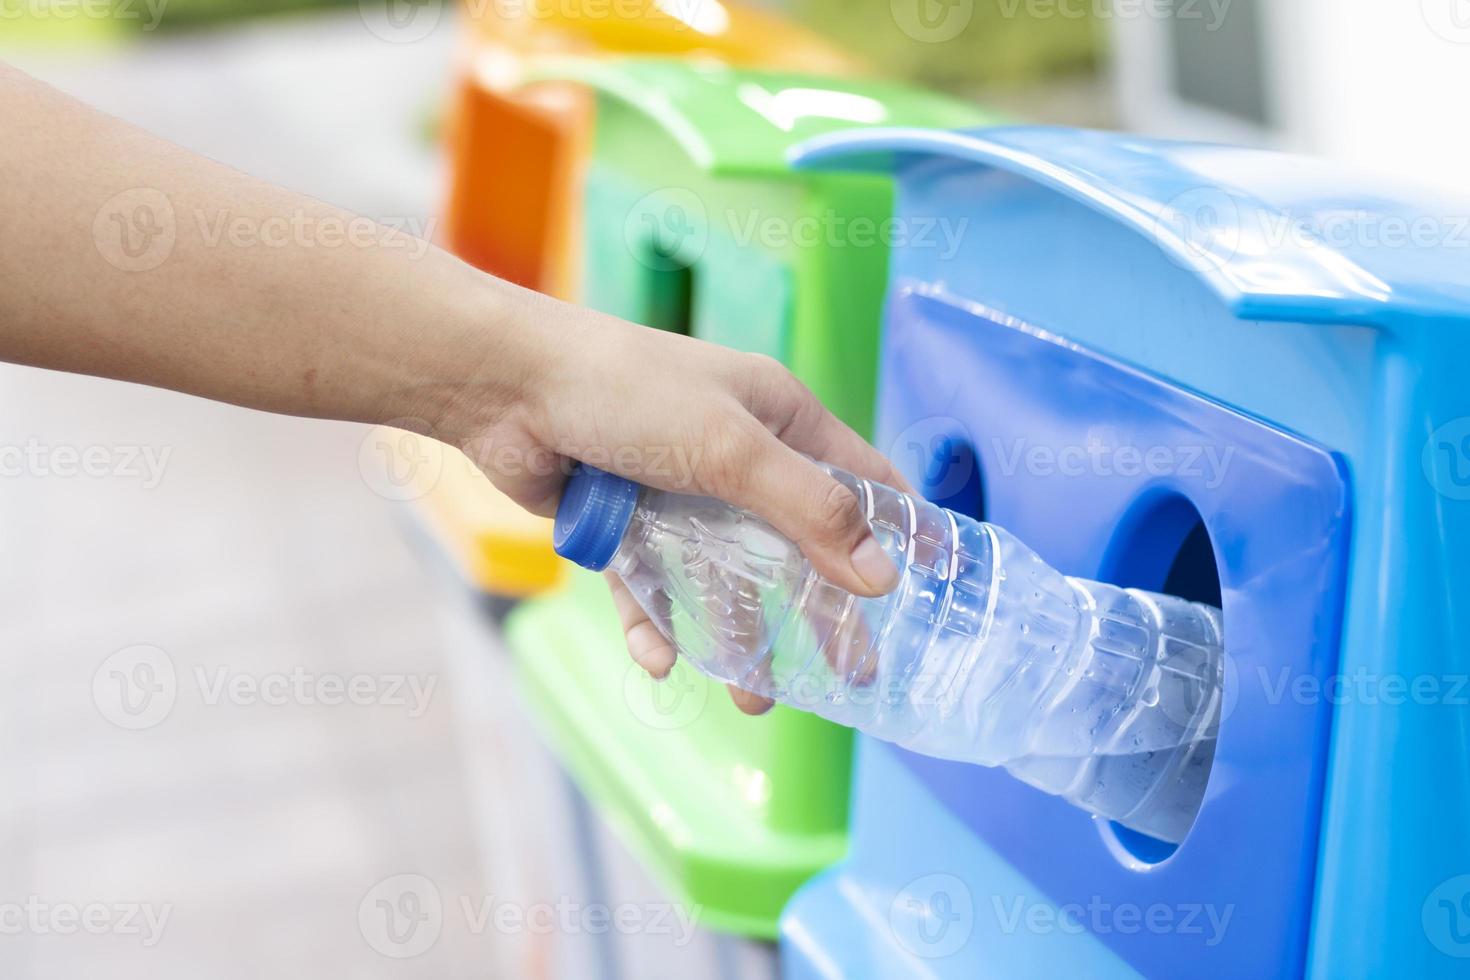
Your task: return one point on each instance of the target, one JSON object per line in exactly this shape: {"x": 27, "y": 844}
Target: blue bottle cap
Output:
{"x": 593, "y": 515}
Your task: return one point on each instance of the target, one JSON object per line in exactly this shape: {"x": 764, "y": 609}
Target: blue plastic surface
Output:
{"x": 1082, "y": 313}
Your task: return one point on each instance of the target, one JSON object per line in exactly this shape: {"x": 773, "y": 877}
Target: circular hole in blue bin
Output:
{"x": 1142, "y": 847}
{"x": 952, "y": 477}
{"x": 1163, "y": 546}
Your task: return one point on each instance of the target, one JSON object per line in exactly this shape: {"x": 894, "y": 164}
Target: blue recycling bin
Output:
{"x": 1229, "y": 374}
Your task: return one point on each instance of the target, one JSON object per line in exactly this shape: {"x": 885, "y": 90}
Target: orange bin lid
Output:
{"x": 718, "y": 29}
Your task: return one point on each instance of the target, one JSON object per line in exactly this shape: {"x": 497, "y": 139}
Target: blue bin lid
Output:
{"x": 1275, "y": 236}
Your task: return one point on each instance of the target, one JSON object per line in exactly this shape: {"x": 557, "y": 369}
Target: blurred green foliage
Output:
{"x": 961, "y": 44}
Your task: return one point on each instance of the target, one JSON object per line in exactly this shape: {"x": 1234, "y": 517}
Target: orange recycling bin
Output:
{"x": 516, "y": 152}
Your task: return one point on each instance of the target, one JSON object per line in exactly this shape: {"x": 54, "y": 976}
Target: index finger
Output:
{"x": 799, "y": 419}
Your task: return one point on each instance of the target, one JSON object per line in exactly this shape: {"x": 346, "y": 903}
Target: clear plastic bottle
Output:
{"x": 1105, "y": 696}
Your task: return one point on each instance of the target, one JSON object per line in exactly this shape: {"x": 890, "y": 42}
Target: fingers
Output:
{"x": 646, "y": 645}
{"x": 649, "y": 649}
{"x": 755, "y": 470}
{"x": 796, "y": 417}
{"x": 830, "y": 441}
{"x": 751, "y": 704}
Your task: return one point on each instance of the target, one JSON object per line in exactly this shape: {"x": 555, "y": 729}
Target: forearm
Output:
{"x": 124, "y": 256}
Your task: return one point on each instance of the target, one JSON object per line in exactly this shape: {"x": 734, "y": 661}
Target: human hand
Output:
{"x": 681, "y": 415}
{"x": 392, "y": 329}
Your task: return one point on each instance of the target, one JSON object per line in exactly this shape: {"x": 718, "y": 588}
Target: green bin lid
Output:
{"x": 745, "y": 121}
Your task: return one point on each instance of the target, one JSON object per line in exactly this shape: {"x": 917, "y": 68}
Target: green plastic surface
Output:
{"x": 744, "y": 120}
{"x": 25, "y": 26}
{"x": 731, "y": 813}
{"x": 695, "y": 222}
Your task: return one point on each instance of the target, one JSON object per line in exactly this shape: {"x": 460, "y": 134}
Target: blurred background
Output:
{"x": 243, "y": 696}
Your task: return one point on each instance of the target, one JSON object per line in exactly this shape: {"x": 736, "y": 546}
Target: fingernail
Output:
{"x": 873, "y": 565}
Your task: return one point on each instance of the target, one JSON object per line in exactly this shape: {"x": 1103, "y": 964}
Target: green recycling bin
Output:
{"x": 695, "y": 222}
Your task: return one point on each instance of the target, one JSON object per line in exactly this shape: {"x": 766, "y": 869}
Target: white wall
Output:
{"x": 1378, "y": 83}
